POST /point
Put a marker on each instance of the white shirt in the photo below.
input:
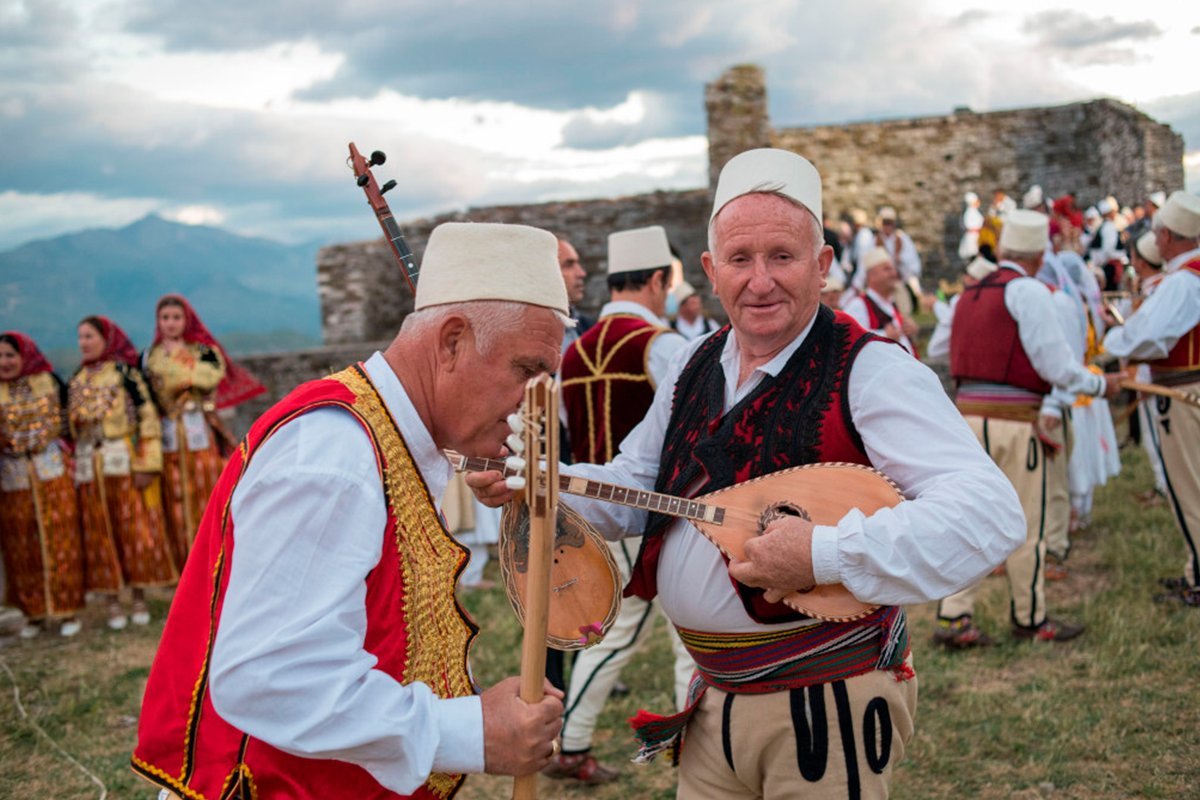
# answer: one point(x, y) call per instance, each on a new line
point(1042, 337)
point(288, 664)
point(1167, 315)
point(963, 515)
point(937, 350)
point(1073, 321)
point(697, 327)
point(857, 308)
point(662, 349)
point(1109, 248)
point(908, 263)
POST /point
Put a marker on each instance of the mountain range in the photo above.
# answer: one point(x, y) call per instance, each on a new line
point(254, 294)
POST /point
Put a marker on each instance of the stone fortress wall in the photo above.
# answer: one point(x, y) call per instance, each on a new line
point(921, 166)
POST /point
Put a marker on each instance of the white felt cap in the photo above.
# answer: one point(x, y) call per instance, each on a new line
point(874, 258)
point(1158, 198)
point(834, 283)
point(980, 268)
point(1181, 214)
point(637, 249)
point(1147, 248)
point(467, 261)
point(1033, 198)
point(887, 214)
point(970, 198)
point(1025, 231)
point(1105, 207)
point(769, 170)
point(683, 291)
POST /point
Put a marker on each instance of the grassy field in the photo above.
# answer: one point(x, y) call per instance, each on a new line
point(1111, 715)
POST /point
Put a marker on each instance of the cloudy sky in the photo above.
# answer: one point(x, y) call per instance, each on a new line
point(238, 114)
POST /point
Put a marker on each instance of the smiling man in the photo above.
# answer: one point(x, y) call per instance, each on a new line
point(315, 647)
point(785, 705)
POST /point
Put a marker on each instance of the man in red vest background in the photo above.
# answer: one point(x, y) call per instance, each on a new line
point(1165, 332)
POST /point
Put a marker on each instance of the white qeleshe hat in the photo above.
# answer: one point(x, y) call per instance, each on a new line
point(638, 249)
point(1181, 214)
point(1025, 231)
point(683, 291)
point(874, 258)
point(466, 261)
point(769, 170)
point(1147, 248)
point(1033, 198)
point(1158, 198)
point(980, 268)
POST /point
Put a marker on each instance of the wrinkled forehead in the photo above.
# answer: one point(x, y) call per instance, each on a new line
point(766, 212)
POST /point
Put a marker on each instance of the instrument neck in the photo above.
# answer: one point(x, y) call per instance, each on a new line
point(621, 495)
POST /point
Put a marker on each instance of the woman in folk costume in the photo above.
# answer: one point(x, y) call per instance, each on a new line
point(39, 518)
point(191, 377)
point(118, 459)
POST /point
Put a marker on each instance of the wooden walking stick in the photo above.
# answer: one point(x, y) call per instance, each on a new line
point(541, 494)
point(1190, 398)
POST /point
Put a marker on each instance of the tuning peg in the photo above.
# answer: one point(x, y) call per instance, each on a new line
point(516, 483)
point(515, 443)
point(363, 179)
point(515, 463)
point(387, 187)
point(515, 423)
point(377, 158)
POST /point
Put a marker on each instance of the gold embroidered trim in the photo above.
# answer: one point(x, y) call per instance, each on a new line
point(440, 632)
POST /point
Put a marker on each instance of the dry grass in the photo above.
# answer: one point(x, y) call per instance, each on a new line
point(1111, 715)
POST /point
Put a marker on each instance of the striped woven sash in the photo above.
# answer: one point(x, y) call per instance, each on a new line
point(775, 661)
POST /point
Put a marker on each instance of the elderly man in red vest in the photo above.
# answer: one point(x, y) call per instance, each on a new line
point(784, 704)
point(315, 647)
point(873, 308)
point(1165, 332)
point(1007, 351)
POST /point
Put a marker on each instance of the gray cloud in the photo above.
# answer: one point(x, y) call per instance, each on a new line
point(1081, 39)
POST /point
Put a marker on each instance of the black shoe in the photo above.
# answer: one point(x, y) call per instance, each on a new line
point(619, 689)
point(1174, 584)
point(1051, 630)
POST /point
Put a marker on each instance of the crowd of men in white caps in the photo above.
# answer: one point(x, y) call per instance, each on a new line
point(316, 646)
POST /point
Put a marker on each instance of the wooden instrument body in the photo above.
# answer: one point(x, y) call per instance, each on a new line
point(820, 493)
point(585, 583)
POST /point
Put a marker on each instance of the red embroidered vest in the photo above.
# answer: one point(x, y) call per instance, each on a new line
point(985, 345)
point(878, 318)
point(802, 416)
point(415, 626)
point(606, 385)
point(1185, 355)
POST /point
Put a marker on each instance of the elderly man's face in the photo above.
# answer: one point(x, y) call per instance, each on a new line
point(574, 275)
point(767, 269)
point(883, 279)
point(481, 390)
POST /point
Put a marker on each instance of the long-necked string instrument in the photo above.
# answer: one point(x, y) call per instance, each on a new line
point(1190, 398)
point(540, 420)
point(375, 193)
point(821, 493)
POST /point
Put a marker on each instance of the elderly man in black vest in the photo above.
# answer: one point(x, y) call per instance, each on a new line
point(785, 704)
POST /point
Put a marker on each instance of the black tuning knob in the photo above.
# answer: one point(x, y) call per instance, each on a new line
point(377, 158)
point(363, 179)
point(387, 187)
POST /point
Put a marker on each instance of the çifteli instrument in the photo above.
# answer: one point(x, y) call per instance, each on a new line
point(1190, 398)
point(820, 493)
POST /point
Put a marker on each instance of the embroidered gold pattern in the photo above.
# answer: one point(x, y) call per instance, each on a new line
point(440, 632)
point(30, 414)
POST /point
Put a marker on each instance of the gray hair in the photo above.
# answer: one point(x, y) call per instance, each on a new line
point(488, 319)
point(818, 230)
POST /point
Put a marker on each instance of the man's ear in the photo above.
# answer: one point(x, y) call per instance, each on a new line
point(453, 336)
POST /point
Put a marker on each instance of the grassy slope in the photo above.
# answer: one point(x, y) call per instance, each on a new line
point(1109, 716)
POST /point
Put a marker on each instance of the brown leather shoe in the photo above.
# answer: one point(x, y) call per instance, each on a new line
point(582, 767)
point(960, 634)
point(1051, 630)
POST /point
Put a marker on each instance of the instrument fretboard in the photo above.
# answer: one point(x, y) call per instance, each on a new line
point(611, 492)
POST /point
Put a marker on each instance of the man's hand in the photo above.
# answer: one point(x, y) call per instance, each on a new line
point(911, 329)
point(780, 560)
point(1112, 384)
point(891, 331)
point(518, 737)
point(489, 488)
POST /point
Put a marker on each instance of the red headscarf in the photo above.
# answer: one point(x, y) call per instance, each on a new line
point(238, 385)
point(32, 360)
point(117, 346)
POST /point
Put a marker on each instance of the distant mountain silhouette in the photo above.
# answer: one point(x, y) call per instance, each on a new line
point(251, 292)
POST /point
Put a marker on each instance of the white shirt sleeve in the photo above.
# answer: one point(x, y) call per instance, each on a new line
point(910, 263)
point(961, 516)
point(662, 351)
point(288, 664)
point(1029, 302)
point(1160, 322)
point(937, 351)
point(856, 307)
